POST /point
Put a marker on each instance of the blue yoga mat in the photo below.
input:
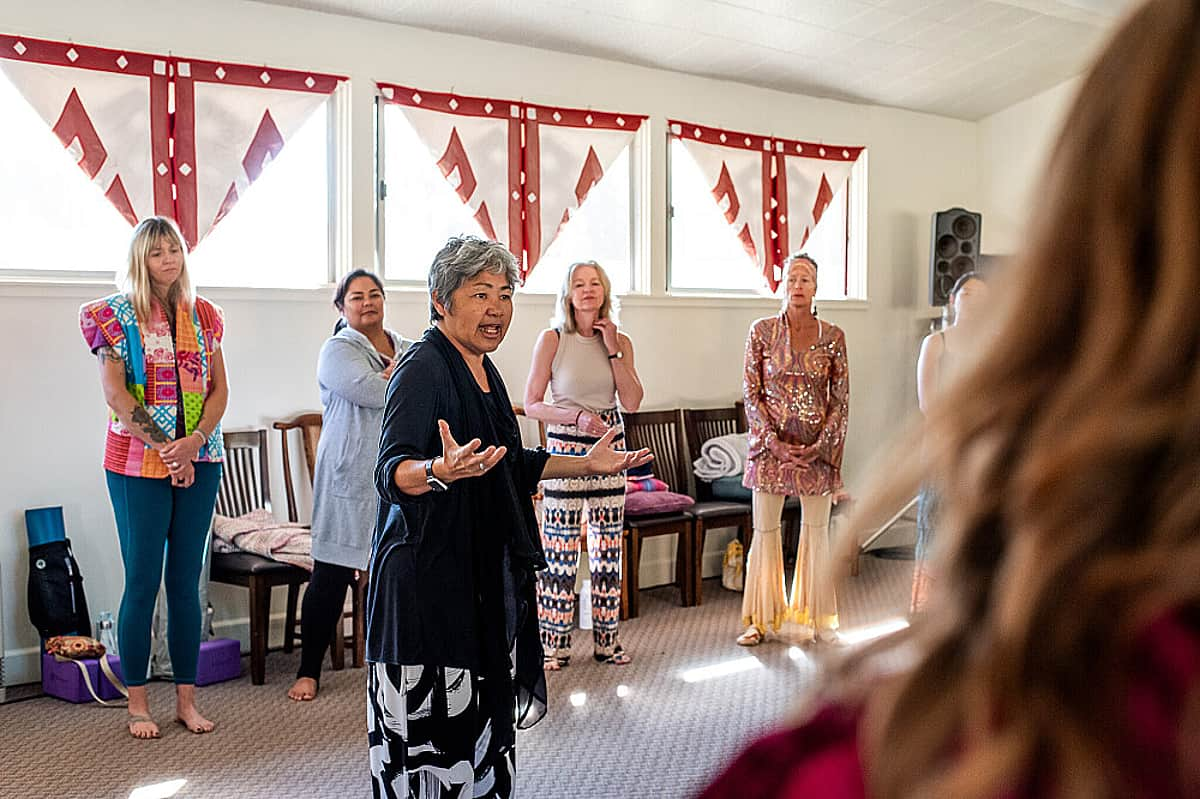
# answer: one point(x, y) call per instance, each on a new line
point(43, 525)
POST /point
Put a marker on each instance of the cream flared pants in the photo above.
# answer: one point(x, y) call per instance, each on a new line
point(813, 602)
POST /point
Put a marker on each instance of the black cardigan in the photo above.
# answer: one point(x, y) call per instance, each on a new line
point(452, 574)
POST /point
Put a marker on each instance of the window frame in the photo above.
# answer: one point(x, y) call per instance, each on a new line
point(854, 280)
point(639, 223)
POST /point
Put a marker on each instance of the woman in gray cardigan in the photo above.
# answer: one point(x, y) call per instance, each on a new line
point(353, 372)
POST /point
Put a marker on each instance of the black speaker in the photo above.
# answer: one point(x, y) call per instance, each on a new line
point(953, 250)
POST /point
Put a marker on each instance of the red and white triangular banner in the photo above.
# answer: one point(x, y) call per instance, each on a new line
point(739, 171)
point(190, 161)
point(574, 147)
point(772, 191)
point(476, 144)
point(231, 121)
point(108, 108)
point(498, 155)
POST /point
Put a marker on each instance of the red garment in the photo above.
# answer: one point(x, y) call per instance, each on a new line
point(821, 757)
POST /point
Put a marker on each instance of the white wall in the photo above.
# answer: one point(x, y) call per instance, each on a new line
point(1014, 145)
point(689, 350)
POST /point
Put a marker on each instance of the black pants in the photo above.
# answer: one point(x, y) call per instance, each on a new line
point(322, 608)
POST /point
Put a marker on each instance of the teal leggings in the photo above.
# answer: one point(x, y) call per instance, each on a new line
point(157, 522)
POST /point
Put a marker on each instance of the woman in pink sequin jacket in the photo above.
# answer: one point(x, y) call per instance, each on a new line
point(797, 391)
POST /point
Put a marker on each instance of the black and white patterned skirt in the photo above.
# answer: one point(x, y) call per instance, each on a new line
point(430, 737)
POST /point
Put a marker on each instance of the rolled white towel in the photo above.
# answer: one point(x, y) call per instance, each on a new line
point(723, 456)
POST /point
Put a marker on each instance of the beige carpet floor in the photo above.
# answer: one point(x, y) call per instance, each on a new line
point(640, 730)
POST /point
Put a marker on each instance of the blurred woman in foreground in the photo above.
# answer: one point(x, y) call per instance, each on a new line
point(1060, 656)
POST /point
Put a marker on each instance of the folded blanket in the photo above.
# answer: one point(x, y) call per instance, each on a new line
point(260, 533)
point(723, 456)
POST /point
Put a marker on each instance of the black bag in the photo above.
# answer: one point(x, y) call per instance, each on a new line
point(57, 605)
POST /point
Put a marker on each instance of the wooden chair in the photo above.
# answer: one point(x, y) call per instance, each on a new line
point(245, 486)
point(661, 433)
point(710, 512)
point(309, 425)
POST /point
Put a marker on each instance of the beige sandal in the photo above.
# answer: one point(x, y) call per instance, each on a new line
point(752, 637)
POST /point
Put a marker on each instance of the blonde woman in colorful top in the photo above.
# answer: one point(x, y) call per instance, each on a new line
point(163, 377)
point(588, 365)
point(797, 391)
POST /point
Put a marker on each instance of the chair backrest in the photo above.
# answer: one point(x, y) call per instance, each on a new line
point(309, 425)
point(519, 410)
point(703, 424)
point(743, 425)
point(661, 432)
point(245, 481)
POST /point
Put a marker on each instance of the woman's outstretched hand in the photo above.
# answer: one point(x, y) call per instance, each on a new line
point(465, 460)
point(603, 459)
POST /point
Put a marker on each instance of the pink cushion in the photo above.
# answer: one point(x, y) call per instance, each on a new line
point(649, 503)
point(632, 486)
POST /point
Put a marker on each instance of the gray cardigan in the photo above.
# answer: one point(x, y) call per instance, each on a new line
point(344, 499)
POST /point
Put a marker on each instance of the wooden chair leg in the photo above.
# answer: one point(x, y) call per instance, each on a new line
point(337, 644)
point(260, 620)
point(687, 577)
point(693, 565)
point(289, 619)
point(698, 534)
point(633, 551)
point(359, 638)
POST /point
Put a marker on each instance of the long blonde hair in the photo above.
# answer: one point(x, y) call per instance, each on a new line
point(564, 312)
point(146, 235)
point(1067, 458)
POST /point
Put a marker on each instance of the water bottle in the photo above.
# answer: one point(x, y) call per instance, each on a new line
point(106, 632)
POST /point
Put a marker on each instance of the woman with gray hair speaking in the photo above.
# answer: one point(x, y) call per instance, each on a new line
point(452, 640)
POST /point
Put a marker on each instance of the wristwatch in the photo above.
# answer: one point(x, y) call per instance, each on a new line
point(431, 479)
point(618, 356)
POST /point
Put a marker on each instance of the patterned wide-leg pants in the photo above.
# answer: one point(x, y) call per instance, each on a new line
point(429, 737)
point(564, 505)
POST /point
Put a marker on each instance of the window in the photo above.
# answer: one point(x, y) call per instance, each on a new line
point(278, 234)
point(54, 222)
point(706, 255)
point(419, 210)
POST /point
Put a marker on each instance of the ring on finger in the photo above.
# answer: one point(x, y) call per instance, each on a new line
point(482, 467)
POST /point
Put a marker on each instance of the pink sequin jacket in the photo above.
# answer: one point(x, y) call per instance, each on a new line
point(799, 398)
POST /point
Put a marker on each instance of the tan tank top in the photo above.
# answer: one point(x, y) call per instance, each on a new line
point(581, 375)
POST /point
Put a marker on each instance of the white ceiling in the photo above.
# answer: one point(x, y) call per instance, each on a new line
point(957, 58)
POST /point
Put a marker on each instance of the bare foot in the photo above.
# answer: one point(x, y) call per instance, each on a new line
point(304, 689)
point(186, 713)
point(141, 726)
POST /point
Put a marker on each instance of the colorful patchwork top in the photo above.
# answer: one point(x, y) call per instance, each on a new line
point(162, 372)
point(798, 398)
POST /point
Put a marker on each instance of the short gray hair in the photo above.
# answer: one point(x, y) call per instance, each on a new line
point(462, 258)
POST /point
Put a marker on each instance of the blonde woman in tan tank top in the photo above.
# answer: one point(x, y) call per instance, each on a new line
point(587, 364)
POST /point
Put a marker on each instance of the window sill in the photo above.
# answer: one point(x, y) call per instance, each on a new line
point(87, 287)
